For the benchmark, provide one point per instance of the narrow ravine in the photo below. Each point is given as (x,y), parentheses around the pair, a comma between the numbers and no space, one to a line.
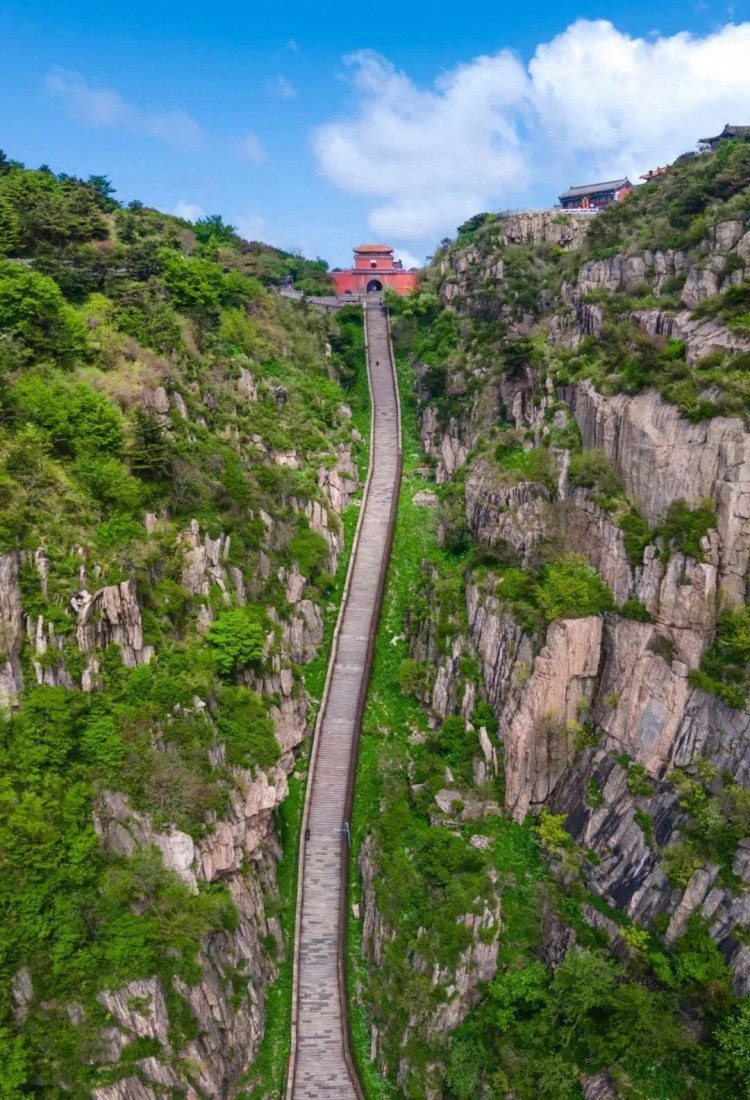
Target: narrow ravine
(321,1063)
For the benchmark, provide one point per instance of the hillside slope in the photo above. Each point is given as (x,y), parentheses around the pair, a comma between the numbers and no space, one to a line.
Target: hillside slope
(555,895)
(178,452)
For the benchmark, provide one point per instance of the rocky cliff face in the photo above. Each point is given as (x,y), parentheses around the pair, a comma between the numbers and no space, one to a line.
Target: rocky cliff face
(598,716)
(662,458)
(240,848)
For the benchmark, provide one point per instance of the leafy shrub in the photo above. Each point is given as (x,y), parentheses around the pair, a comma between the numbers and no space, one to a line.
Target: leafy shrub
(594,796)
(639,782)
(592,469)
(646,825)
(310,550)
(118,530)
(413,676)
(150,451)
(77,419)
(724,666)
(455,745)
(517,588)
(552,833)
(634,609)
(680,862)
(637,535)
(683,527)
(237,639)
(155,326)
(637,939)
(212,227)
(534,464)
(698,961)
(200,286)
(33,310)
(247,730)
(243,333)
(108,481)
(572,589)
(733,1038)
(484,715)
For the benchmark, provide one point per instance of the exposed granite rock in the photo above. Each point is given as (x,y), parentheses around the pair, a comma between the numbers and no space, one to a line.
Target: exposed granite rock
(700,336)
(617,273)
(128,1088)
(443,445)
(598,1087)
(204,561)
(46,645)
(22,994)
(536,729)
(11,632)
(303,632)
(339,482)
(121,830)
(111,616)
(662,457)
(478,963)
(247,385)
(516,515)
(505,651)
(139,1008)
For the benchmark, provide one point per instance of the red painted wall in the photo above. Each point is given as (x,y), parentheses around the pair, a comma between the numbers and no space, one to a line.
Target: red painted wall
(355,281)
(365,261)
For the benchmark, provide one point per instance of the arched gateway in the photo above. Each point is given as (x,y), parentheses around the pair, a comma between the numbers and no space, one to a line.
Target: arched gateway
(374,269)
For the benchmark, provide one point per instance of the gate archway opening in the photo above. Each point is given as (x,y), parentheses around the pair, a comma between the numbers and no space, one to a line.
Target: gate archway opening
(374,286)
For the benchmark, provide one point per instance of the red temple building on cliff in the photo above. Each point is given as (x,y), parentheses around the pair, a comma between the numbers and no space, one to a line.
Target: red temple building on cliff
(595,196)
(374,269)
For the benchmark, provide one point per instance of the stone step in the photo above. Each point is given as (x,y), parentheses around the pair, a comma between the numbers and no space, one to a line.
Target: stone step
(321,1063)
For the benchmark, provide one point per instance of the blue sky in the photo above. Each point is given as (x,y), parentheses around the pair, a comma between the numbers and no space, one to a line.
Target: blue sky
(251,110)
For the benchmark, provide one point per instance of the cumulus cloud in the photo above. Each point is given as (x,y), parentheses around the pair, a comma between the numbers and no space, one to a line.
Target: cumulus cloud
(103,107)
(188,210)
(281,88)
(252,149)
(591,103)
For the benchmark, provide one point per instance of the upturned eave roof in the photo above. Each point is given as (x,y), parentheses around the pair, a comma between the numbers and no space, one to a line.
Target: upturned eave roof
(594,188)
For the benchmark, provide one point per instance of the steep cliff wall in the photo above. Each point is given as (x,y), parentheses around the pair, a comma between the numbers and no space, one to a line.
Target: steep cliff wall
(178,455)
(587,424)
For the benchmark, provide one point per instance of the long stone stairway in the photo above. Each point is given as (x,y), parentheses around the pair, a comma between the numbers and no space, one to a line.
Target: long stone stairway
(320,1064)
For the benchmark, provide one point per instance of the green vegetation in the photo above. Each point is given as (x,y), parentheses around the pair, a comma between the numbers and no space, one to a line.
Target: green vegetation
(148,380)
(591,469)
(571,589)
(683,527)
(35,315)
(524,464)
(237,639)
(675,210)
(536,1030)
(724,666)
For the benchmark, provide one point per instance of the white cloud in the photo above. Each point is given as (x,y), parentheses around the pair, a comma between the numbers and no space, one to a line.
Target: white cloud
(252,149)
(250,226)
(593,102)
(407,259)
(188,210)
(104,107)
(281,88)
